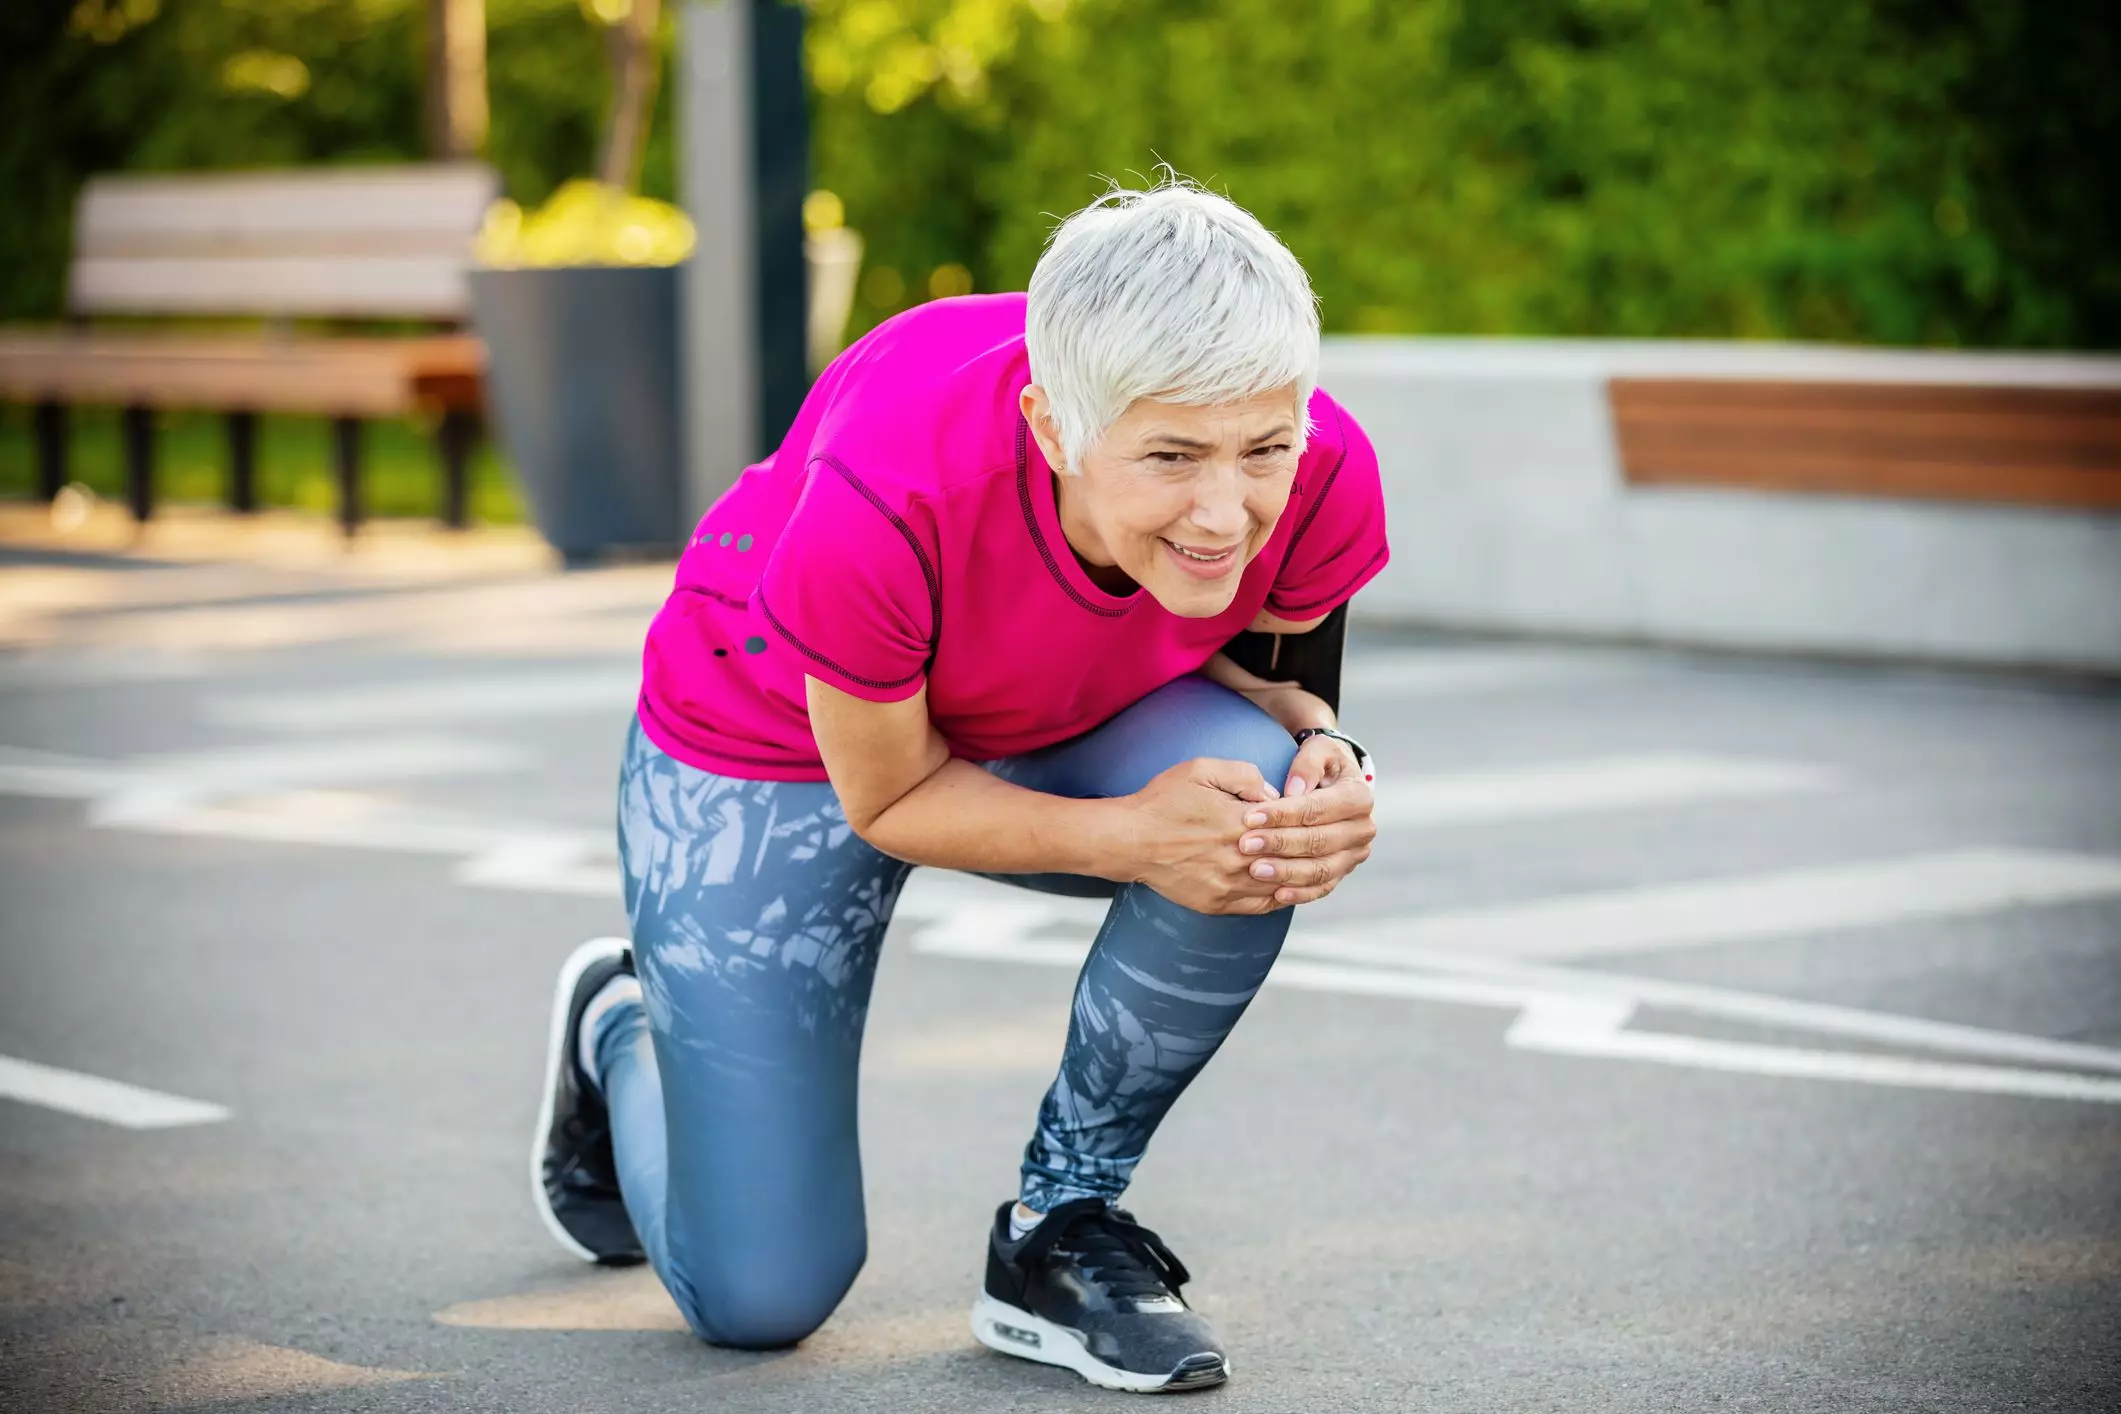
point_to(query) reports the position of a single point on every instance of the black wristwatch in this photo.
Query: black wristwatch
(1362, 754)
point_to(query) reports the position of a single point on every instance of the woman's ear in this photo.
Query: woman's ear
(1038, 414)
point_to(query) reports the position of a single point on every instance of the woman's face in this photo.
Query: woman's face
(1178, 499)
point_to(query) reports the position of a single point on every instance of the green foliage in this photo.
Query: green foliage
(181, 85)
(1899, 171)
(1893, 171)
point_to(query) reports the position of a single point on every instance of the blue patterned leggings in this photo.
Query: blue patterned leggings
(757, 916)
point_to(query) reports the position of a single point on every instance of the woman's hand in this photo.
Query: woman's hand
(1191, 817)
(1310, 839)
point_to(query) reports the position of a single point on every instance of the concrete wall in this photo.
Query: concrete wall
(1508, 511)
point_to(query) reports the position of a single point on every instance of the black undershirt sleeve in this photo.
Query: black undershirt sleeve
(1310, 660)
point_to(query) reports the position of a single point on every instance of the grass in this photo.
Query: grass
(401, 475)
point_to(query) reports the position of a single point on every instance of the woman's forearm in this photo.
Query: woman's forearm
(1285, 702)
(961, 817)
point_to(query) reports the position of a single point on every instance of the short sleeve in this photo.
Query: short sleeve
(1338, 545)
(851, 586)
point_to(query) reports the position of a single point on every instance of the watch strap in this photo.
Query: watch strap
(1362, 753)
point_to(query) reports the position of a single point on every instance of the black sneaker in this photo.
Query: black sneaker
(572, 1174)
(1093, 1291)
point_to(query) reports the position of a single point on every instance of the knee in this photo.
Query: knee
(1217, 722)
(768, 1308)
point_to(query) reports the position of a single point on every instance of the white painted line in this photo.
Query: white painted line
(1752, 1008)
(112, 1101)
(1592, 1027)
(1443, 672)
(1752, 907)
(145, 789)
(52, 776)
(557, 864)
(1574, 1012)
(509, 697)
(1585, 787)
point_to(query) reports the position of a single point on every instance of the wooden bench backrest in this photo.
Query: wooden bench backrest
(377, 242)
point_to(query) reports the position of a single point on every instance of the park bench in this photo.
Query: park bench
(1932, 441)
(384, 246)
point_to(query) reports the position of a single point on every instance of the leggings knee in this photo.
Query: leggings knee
(767, 1310)
(1215, 722)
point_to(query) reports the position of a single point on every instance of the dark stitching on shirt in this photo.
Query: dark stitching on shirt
(726, 600)
(935, 585)
(816, 657)
(1311, 511)
(1038, 538)
(1299, 610)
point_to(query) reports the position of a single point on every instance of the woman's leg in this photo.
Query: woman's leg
(1163, 985)
(757, 915)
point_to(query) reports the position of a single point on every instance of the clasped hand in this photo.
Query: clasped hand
(1222, 839)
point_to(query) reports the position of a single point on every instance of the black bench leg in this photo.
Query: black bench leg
(243, 462)
(51, 449)
(346, 466)
(139, 434)
(454, 438)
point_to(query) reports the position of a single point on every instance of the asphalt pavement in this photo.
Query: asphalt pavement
(1706, 1033)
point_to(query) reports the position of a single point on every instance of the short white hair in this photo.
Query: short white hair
(1174, 293)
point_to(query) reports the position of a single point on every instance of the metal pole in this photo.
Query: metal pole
(51, 449)
(138, 424)
(243, 462)
(743, 172)
(346, 469)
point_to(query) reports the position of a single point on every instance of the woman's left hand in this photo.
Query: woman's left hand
(1319, 831)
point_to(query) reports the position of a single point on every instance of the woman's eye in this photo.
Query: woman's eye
(1167, 458)
(1277, 449)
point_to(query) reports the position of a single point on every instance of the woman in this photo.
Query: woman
(986, 609)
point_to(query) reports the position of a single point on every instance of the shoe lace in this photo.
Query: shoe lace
(1116, 1252)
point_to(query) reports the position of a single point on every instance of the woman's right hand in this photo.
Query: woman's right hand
(1190, 820)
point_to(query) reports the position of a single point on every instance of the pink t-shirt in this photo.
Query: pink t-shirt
(905, 534)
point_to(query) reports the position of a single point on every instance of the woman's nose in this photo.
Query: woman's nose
(1220, 514)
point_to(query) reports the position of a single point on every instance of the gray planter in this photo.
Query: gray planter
(582, 381)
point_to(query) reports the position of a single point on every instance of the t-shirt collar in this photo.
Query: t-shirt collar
(1034, 486)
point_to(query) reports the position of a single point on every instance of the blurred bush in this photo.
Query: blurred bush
(585, 223)
(1900, 171)
(1897, 171)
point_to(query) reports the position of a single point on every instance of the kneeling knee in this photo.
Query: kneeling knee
(767, 1310)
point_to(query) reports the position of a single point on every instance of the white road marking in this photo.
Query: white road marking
(1585, 787)
(510, 697)
(1465, 672)
(1593, 1027)
(1566, 1010)
(1751, 1008)
(92, 1097)
(146, 789)
(1750, 908)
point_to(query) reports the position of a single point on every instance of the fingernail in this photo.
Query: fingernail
(1272, 794)
(1256, 819)
(1285, 895)
(1262, 870)
(1252, 844)
(1298, 787)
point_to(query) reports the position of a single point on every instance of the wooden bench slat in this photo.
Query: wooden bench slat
(346, 287)
(2018, 445)
(350, 201)
(331, 377)
(382, 242)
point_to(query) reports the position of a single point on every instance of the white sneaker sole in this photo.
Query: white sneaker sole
(557, 1054)
(1014, 1331)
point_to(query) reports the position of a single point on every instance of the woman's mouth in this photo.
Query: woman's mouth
(1204, 562)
